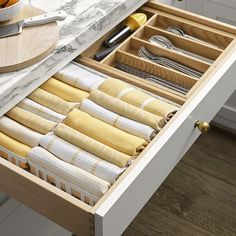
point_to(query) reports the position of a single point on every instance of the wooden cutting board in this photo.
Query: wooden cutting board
(31, 46)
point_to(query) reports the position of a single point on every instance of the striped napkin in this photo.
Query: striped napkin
(19, 132)
(90, 145)
(51, 101)
(79, 77)
(126, 109)
(133, 127)
(14, 145)
(40, 110)
(125, 92)
(73, 174)
(30, 120)
(80, 158)
(105, 133)
(63, 90)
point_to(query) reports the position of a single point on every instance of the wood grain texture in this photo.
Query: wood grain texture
(212, 36)
(29, 47)
(45, 199)
(155, 4)
(181, 42)
(197, 198)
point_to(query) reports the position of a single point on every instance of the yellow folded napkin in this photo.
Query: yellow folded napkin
(90, 145)
(105, 133)
(51, 101)
(63, 90)
(30, 120)
(125, 92)
(126, 109)
(14, 145)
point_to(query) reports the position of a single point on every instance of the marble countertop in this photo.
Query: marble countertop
(86, 22)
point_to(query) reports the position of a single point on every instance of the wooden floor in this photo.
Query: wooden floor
(199, 197)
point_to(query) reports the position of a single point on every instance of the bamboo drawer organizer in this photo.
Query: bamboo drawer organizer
(159, 19)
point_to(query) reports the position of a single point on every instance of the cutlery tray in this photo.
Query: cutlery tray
(214, 45)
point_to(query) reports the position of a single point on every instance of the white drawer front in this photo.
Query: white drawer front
(115, 214)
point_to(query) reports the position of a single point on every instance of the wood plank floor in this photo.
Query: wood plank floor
(199, 197)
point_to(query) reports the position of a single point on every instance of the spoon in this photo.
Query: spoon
(180, 32)
(166, 43)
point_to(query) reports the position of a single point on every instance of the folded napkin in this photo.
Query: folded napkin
(40, 110)
(63, 90)
(125, 92)
(80, 158)
(126, 109)
(90, 145)
(14, 145)
(72, 174)
(133, 127)
(79, 77)
(51, 101)
(30, 120)
(104, 133)
(19, 132)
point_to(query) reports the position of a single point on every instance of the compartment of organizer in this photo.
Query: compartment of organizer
(127, 58)
(191, 30)
(200, 51)
(99, 46)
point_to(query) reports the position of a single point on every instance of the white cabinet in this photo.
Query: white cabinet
(224, 11)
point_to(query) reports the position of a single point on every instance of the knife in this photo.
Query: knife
(16, 28)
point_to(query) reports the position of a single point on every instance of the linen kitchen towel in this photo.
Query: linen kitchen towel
(126, 109)
(80, 158)
(125, 92)
(90, 145)
(30, 120)
(40, 110)
(133, 127)
(73, 174)
(19, 132)
(105, 133)
(51, 101)
(79, 77)
(63, 90)
(14, 145)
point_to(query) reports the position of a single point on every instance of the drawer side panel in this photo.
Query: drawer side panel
(47, 200)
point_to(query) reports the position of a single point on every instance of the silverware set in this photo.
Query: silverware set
(164, 42)
(180, 32)
(152, 78)
(146, 54)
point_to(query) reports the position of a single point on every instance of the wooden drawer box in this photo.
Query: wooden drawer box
(117, 208)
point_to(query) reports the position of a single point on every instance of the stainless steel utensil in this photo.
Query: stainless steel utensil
(166, 43)
(144, 53)
(152, 78)
(180, 32)
(16, 28)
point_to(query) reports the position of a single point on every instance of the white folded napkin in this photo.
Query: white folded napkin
(79, 77)
(41, 110)
(19, 132)
(130, 126)
(80, 158)
(73, 174)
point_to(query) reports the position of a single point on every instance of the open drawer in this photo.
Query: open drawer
(117, 208)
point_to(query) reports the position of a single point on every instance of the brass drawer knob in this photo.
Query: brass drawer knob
(202, 126)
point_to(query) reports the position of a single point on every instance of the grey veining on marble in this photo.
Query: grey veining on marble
(87, 21)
